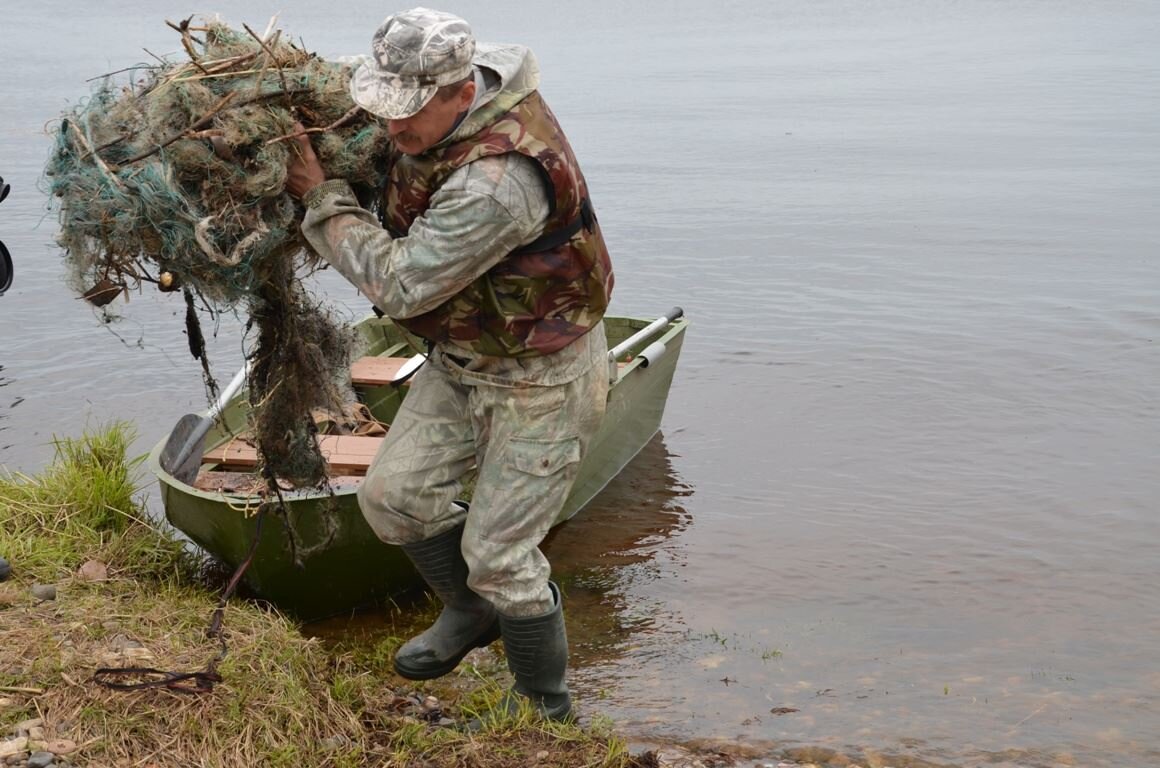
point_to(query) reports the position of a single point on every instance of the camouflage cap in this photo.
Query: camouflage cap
(412, 54)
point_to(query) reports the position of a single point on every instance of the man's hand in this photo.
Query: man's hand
(303, 172)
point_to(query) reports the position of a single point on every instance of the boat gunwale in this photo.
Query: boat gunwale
(675, 328)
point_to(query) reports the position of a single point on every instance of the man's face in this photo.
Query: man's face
(416, 134)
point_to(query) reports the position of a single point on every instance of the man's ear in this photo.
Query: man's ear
(467, 94)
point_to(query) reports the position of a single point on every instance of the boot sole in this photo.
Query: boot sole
(432, 672)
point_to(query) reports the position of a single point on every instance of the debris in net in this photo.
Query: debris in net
(177, 178)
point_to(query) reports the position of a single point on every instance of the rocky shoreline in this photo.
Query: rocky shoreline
(27, 746)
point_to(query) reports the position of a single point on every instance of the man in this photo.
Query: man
(489, 249)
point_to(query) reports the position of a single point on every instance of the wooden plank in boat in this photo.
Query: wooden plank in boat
(345, 454)
(241, 483)
(379, 371)
(250, 484)
(375, 371)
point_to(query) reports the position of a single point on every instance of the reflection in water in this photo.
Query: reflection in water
(919, 402)
(621, 541)
(616, 540)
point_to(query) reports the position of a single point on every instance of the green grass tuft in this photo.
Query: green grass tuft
(83, 508)
(285, 699)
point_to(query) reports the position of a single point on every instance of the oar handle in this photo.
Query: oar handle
(650, 330)
(644, 334)
(203, 426)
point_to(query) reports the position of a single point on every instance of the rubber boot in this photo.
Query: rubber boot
(467, 621)
(537, 654)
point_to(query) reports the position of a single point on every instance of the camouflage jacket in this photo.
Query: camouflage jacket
(500, 200)
(541, 296)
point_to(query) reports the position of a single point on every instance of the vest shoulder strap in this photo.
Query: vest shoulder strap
(554, 239)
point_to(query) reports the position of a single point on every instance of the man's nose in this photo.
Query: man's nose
(396, 127)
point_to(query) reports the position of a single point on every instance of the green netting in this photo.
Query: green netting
(177, 178)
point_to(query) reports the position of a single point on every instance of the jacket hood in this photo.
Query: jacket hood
(510, 73)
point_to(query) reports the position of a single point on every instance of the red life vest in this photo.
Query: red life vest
(541, 296)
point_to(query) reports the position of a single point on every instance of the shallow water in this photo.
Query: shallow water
(908, 477)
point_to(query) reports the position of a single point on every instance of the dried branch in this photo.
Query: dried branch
(350, 115)
(133, 68)
(214, 67)
(186, 40)
(208, 116)
(273, 57)
(200, 123)
(88, 149)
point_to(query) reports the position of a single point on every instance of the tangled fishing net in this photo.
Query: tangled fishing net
(178, 178)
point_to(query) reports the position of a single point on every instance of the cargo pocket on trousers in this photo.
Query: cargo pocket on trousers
(543, 458)
(537, 475)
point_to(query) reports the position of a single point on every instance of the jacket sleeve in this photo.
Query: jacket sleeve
(483, 212)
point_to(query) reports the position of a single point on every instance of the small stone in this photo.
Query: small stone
(13, 746)
(40, 759)
(542, 755)
(61, 747)
(44, 592)
(430, 704)
(93, 570)
(36, 733)
(123, 642)
(674, 757)
(28, 725)
(9, 595)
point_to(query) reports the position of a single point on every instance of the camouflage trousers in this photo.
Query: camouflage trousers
(526, 442)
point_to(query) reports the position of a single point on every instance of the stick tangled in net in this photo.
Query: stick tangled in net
(178, 178)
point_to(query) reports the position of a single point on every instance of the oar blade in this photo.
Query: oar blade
(184, 468)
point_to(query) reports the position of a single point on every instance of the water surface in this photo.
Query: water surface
(907, 481)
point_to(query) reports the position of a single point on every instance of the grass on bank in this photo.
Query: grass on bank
(286, 700)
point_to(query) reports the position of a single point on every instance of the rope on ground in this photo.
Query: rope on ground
(188, 682)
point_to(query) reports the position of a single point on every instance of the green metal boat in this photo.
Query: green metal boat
(342, 565)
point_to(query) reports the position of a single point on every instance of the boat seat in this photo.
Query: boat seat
(376, 371)
(344, 454)
(250, 483)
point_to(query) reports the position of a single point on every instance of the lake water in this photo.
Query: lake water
(908, 478)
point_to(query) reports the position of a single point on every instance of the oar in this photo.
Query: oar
(5, 269)
(409, 368)
(181, 456)
(650, 353)
(5, 257)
